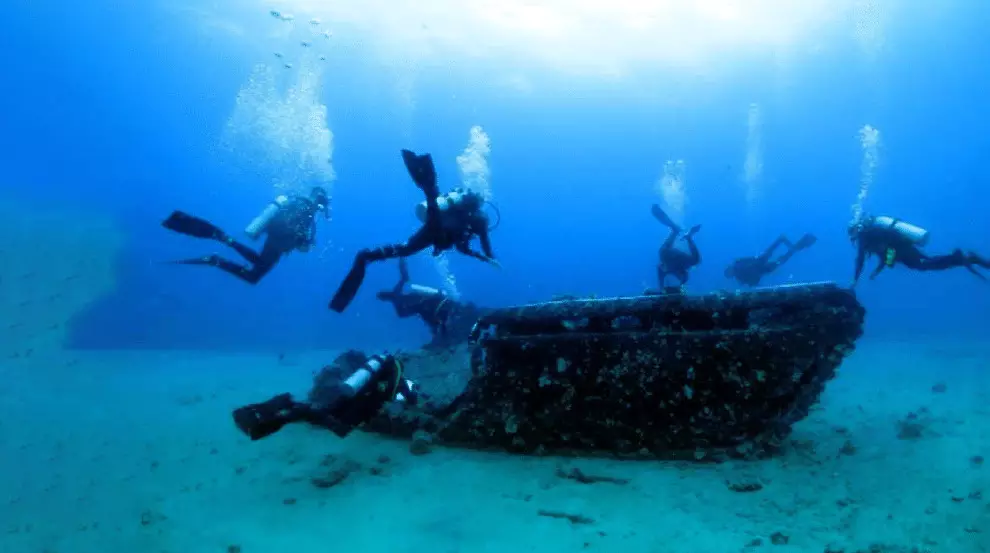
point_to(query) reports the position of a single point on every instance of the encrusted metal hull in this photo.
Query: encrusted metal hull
(671, 376)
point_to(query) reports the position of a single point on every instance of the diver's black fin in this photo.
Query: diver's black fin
(422, 171)
(264, 419)
(661, 216)
(977, 260)
(349, 288)
(806, 242)
(692, 231)
(973, 270)
(183, 223)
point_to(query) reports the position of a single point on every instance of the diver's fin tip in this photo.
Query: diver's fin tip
(660, 215)
(183, 223)
(806, 241)
(422, 170)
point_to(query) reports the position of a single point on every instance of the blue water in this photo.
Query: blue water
(120, 109)
(118, 437)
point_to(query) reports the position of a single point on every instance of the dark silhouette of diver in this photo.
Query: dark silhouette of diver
(675, 262)
(893, 241)
(450, 225)
(450, 321)
(750, 270)
(289, 224)
(345, 395)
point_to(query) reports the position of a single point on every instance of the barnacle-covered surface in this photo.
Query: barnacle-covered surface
(457, 327)
(669, 376)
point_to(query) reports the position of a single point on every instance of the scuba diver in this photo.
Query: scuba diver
(341, 400)
(750, 270)
(288, 222)
(449, 221)
(893, 241)
(673, 261)
(449, 320)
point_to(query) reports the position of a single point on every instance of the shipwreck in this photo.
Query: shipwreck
(673, 376)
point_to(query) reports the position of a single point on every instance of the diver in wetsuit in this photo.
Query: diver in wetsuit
(340, 400)
(674, 262)
(450, 221)
(750, 270)
(449, 320)
(893, 241)
(289, 224)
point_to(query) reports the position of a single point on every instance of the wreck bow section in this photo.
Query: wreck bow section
(670, 376)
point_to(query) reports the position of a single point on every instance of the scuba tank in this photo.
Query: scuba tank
(445, 202)
(915, 234)
(260, 223)
(362, 395)
(425, 290)
(359, 379)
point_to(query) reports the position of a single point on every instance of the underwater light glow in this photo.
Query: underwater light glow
(753, 162)
(575, 35)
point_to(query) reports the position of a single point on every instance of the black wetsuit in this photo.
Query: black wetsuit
(443, 231)
(449, 320)
(891, 248)
(292, 228)
(674, 262)
(441, 238)
(750, 270)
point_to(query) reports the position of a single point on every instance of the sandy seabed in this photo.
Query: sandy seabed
(136, 452)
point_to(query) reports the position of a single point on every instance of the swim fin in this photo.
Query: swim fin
(806, 242)
(665, 220)
(970, 259)
(183, 223)
(349, 288)
(973, 270)
(422, 171)
(977, 260)
(264, 419)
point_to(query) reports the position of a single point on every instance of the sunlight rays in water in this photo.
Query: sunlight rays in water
(753, 161)
(578, 35)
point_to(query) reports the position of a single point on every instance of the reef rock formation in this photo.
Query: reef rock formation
(667, 376)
